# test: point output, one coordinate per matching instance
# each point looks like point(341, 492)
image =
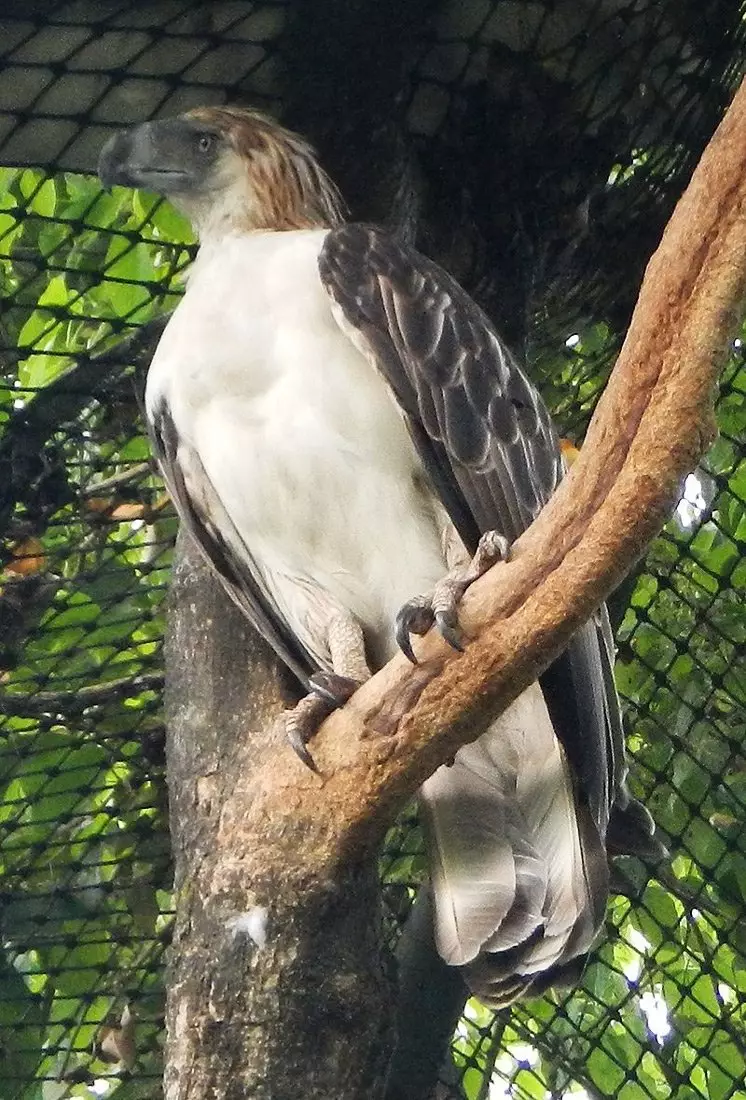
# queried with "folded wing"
point(517, 824)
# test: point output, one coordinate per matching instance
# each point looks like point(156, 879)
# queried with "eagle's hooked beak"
point(170, 157)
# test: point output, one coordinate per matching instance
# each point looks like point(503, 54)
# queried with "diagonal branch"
point(651, 426)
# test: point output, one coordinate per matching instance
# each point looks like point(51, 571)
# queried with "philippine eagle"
point(341, 430)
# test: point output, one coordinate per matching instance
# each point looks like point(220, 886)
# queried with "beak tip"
point(113, 160)
point(106, 162)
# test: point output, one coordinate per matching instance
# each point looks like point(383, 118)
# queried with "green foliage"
point(84, 857)
point(74, 259)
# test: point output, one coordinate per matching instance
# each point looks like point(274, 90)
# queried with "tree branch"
point(124, 477)
point(68, 703)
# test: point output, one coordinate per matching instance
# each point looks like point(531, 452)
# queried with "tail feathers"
point(519, 882)
point(547, 811)
point(500, 991)
point(632, 832)
point(473, 880)
point(527, 910)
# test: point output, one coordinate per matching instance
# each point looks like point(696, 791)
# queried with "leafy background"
point(86, 907)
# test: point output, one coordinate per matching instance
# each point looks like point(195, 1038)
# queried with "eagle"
point(350, 443)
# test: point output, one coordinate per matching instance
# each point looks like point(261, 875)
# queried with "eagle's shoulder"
point(486, 435)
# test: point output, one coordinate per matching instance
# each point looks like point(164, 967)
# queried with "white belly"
point(299, 436)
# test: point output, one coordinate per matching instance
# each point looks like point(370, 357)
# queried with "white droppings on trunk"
point(253, 924)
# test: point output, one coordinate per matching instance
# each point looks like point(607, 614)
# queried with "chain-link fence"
point(535, 148)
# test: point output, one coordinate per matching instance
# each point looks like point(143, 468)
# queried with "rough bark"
point(254, 831)
point(307, 1009)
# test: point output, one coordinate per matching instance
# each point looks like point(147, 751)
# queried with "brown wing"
point(488, 443)
point(482, 430)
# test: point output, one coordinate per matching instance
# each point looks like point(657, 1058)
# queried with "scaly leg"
point(440, 607)
point(329, 689)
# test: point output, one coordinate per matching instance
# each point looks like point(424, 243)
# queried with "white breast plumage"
point(298, 434)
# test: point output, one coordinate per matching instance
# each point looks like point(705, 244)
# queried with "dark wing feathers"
point(211, 527)
point(488, 444)
point(449, 370)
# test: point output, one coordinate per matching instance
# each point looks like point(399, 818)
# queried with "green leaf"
point(606, 1073)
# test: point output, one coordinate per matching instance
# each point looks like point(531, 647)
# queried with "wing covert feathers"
point(488, 441)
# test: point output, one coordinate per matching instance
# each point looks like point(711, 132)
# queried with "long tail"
point(519, 871)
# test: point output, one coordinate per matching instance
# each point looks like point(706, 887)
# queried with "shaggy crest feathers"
point(291, 189)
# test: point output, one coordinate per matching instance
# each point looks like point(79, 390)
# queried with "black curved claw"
point(335, 689)
point(403, 639)
point(447, 623)
point(298, 745)
point(415, 617)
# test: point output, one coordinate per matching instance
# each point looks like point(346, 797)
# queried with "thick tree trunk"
point(278, 983)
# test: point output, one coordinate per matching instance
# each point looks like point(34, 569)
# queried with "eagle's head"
point(228, 168)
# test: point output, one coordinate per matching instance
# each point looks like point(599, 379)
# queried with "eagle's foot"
point(303, 720)
point(440, 608)
point(328, 691)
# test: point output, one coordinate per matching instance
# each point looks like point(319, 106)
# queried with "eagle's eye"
point(205, 142)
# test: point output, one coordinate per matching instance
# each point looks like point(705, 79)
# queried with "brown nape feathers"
point(286, 188)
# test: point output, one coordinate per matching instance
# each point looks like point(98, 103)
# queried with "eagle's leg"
point(440, 607)
point(329, 688)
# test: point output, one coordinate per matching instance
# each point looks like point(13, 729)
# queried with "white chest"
point(298, 434)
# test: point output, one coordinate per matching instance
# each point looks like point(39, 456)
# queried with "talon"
point(403, 639)
point(298, 745)
point(447, 624)
point(415, 617)
point(302, 722)
point(332, 687)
